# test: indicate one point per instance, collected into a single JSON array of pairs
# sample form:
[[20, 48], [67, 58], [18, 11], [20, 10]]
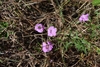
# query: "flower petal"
[[39, 28], [84, 18], [52, 31], [46, 47]]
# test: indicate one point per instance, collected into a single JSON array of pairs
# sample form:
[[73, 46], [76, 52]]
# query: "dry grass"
[[20, 44]]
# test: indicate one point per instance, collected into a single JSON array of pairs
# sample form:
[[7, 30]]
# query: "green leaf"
[[96, 2], [67, 45], [1, 61], [3, 26], [98, 50]]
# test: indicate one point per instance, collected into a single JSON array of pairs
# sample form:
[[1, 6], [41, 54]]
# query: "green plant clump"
[[3, 26], [96, 2]]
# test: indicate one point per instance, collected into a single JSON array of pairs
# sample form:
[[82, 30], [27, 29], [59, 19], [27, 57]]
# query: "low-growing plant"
[[96, 2], [98, 50], [3, 32], [79, 43]]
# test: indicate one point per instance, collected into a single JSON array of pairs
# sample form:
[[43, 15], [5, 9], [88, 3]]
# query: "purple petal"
[[46, 47], [84, 18], [52, 31], [39, 28]]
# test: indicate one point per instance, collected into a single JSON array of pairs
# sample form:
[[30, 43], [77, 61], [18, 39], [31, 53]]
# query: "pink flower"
[[84, 18], [47, 46], [39, 28], [52, 31]]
